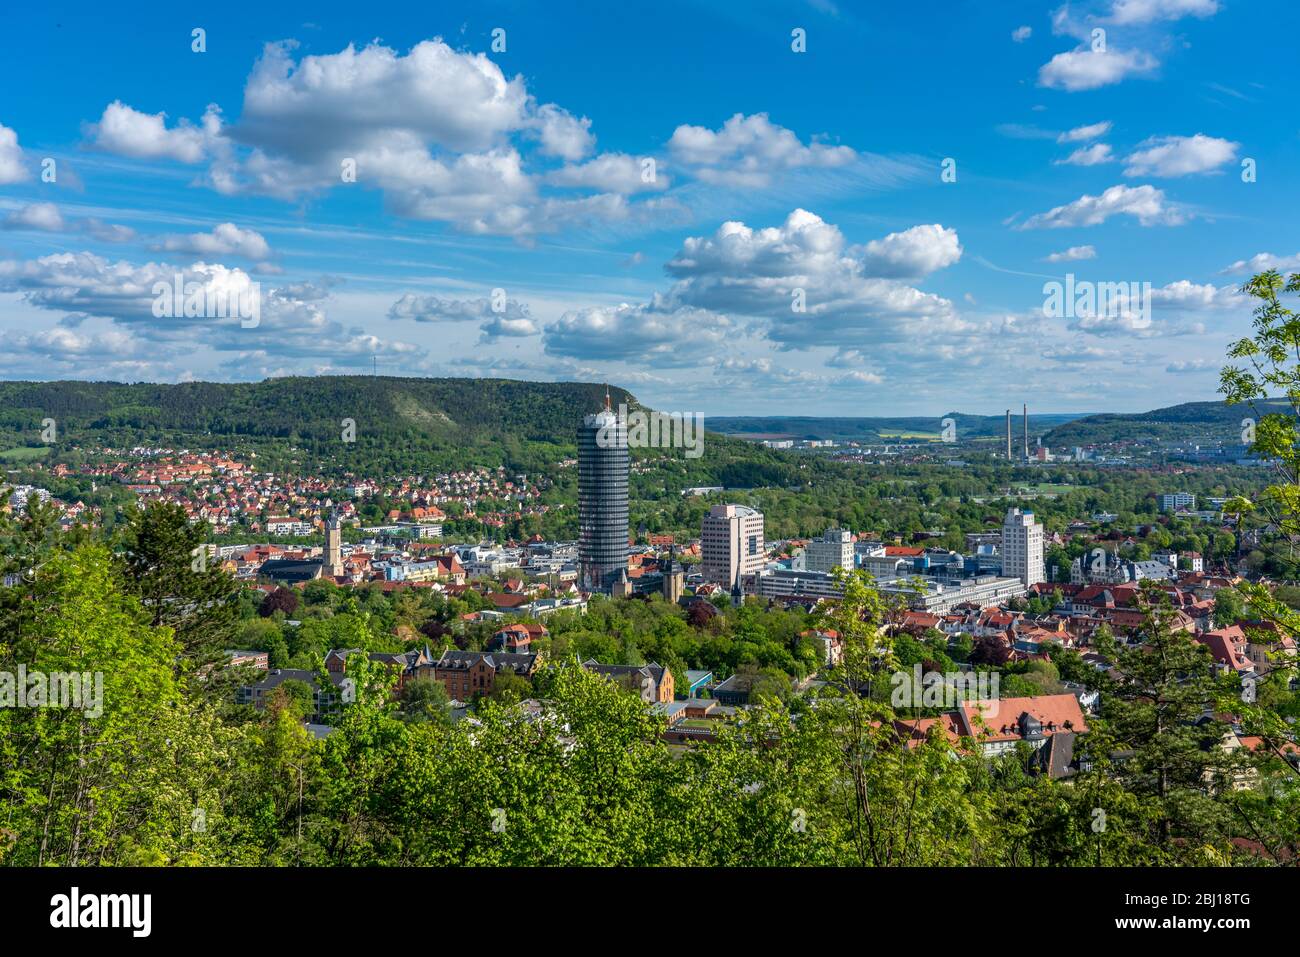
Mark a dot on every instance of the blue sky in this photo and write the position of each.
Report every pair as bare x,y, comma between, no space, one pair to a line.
505,219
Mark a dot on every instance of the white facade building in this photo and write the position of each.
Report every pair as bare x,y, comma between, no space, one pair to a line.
833,550
1022,548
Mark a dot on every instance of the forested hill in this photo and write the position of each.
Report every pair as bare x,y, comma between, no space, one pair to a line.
1200,422
311,407
401,424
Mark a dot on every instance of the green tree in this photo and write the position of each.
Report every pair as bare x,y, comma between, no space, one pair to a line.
425,699
164,562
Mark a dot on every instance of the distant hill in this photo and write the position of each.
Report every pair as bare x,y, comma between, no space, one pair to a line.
402,424
1199,422
878,429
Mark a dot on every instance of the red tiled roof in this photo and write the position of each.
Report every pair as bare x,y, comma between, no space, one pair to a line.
998,719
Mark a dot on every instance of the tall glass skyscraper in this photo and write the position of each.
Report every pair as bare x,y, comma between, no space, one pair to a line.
602,499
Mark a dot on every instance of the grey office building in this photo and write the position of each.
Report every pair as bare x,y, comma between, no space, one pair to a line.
602,500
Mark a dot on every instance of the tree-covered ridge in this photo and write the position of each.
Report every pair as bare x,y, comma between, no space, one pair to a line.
399,425
1190,421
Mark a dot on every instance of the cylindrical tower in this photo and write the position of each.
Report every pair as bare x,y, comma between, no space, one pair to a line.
602,499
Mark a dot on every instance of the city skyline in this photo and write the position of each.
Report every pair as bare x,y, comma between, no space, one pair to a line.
798,209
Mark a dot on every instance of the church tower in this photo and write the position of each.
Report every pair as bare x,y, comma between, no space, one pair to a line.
333,545
673,581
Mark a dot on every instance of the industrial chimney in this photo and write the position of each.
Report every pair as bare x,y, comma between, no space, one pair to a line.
1008,435
1026,417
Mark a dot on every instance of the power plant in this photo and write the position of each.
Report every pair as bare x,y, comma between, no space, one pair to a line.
1025,422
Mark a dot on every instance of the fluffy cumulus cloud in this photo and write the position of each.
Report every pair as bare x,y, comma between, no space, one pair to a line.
312,108
47,217
138,300
226,239
1123,322
1180,155
562,134
1086,69
1185,294
505,318
748,151
13,169
657,333
40,216
799,284
1140,311
438,131
613,173
913,253
445,135
129,132
1021,34
1146,204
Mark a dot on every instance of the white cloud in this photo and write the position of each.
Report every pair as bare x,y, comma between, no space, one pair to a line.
747,150
612,173
12,167
1180,155
1021,34
850,297
41,216
1123,323
1073,254
47,217
512,321
225,239
1181,308
1185,294
128,132
355,98
83,285
437,131
63,344
1192,365
563,134
1081,134
107,232
1134,12
657,333
1093,155
1085,69
1146,204
911,254
1261,262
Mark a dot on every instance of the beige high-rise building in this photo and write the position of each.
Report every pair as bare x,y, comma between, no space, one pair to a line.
731,543
1022,548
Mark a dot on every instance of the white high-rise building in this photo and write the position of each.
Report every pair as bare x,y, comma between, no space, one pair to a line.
1022,548
834,549
731,543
